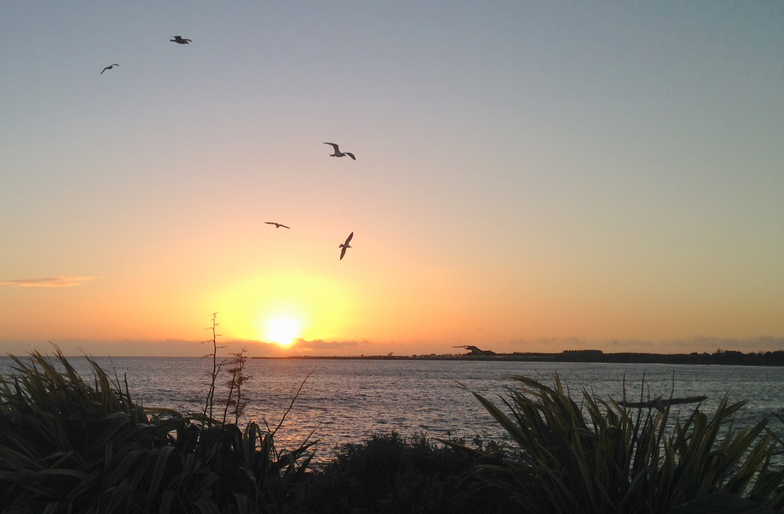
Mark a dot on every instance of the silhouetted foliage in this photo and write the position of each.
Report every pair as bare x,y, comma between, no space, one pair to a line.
235,402
84,446
389,474
601,457
76,446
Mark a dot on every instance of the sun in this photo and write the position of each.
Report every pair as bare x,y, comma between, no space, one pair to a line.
283,330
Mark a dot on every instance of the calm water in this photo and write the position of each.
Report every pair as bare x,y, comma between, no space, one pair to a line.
348,400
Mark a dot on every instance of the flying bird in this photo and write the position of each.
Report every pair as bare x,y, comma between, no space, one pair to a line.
277,225
180,40
338,153
345,245
108,68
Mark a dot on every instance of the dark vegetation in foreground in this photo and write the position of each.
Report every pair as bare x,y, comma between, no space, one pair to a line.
70,445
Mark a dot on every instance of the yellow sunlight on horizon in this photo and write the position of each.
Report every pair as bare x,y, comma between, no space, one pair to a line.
282,307
283,330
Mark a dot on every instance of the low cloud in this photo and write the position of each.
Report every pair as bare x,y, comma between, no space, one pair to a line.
320,344
549,345
47,282
304,347
723,343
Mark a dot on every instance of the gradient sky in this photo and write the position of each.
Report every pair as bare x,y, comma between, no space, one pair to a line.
530,176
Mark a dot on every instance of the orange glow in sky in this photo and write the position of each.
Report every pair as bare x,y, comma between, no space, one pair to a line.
534,178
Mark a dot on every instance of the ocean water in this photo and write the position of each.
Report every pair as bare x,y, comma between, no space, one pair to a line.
347,400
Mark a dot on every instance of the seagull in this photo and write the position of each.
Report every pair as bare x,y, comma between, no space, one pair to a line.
180,40
345,245
108,68
338,153
277,225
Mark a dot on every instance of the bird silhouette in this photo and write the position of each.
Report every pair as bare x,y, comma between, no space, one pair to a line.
108,68
345,246
277,225
474,350
180,40
338,153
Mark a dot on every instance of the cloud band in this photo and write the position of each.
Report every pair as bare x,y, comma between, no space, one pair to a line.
47,282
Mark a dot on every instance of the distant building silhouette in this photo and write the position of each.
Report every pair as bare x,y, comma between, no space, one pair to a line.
475,351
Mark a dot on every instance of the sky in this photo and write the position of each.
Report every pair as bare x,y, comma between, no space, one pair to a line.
529,176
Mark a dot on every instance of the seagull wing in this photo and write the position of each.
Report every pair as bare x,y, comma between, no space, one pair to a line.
337,150
349,238
284,226
342,252
350,155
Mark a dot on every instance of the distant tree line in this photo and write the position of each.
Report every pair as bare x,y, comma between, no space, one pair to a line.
728,357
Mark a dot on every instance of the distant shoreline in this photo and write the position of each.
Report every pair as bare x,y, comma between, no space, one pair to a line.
728,357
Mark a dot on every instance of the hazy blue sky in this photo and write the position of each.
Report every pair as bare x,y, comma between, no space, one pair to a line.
530,176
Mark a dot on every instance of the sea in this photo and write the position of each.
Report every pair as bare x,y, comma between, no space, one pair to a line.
341,401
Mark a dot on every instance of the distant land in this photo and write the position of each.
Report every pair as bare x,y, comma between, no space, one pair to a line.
720,357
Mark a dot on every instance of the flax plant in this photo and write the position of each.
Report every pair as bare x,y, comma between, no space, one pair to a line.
235,401
69,445
602,457
209,401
